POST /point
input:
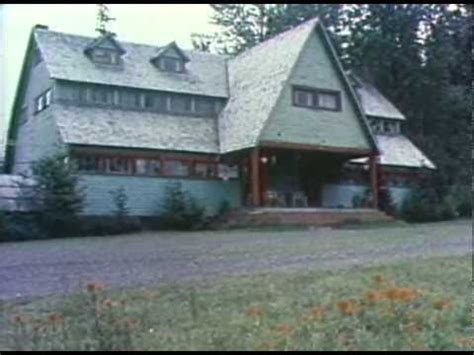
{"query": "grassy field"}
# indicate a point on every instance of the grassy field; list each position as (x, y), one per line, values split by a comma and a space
(416, 305)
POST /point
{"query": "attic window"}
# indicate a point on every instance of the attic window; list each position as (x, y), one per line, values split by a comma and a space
(171, 64)
(104, 56)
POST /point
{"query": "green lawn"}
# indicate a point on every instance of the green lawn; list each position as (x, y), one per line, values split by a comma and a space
(423, 305)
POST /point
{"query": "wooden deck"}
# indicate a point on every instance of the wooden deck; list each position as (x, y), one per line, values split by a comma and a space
(266, 216)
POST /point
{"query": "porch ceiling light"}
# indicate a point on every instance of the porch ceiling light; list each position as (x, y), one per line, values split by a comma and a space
(264, 160)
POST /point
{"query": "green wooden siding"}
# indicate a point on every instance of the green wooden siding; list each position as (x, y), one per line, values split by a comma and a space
(146, 194)
(288, 123)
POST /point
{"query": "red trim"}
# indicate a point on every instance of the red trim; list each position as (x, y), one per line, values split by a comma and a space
(285, 145)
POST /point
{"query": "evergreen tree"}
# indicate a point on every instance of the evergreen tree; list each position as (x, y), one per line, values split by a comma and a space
(54, 194)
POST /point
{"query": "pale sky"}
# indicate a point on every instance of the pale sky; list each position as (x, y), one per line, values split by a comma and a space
(150, 24)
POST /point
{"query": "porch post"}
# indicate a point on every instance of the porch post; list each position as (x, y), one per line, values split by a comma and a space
(374, 180)
(255, 175)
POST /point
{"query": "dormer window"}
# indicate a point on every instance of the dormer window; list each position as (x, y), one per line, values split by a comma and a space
(104, 56)
(170, 59)
(105, 50)
(171, 64)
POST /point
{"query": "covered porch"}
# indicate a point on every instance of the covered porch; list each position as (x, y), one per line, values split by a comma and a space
(299, 177)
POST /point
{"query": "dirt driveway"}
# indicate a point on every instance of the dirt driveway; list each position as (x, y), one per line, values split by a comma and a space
(57, 266)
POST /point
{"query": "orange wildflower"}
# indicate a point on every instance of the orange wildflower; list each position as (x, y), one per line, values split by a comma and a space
(349, 307)
(95, 287)
(442, 304)
(110, 303)
(401, 294)
(373, 296)
(284, 329)
(465, 342)
(19, 319)
(56, 319)
(255, 312)
(317, 313)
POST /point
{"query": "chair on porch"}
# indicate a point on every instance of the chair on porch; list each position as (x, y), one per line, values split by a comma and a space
(274, 199)
(299, 199)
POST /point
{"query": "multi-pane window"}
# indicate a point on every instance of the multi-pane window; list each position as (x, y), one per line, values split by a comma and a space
(317, 99)
(204, 106)
(43, 101)
(181, 104)
(327, 100)
(175, 168)
(120, 165)
(171, 64)
(104, 56)
(130, 99)
(146, 100)
(101, 95)
(303, 98)
(155, 101)
(380, 126)
(170, 167)
(205, 170)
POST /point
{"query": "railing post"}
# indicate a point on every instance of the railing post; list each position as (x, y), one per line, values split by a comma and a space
(255, 176)
(374, 159)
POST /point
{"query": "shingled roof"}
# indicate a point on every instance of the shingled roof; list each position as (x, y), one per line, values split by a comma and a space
(63, 53)
(256, 78)
(399, 151)
(373, 102)
(252, 82)
(117, 128)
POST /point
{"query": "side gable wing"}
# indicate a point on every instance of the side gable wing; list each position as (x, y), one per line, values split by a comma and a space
(318, 67)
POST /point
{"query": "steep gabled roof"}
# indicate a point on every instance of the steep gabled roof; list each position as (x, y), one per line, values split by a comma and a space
(373, 102)
(104, 39)
(400, 151)
(170, 46)
(256, 78)
(65, 59)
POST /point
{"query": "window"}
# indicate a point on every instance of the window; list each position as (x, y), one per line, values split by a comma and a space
(303, 98)
(119, 165)
(104, 56)
(40, 104)
(317, 99)
(89, 163)
(204, 106)
(171, 64)
(176, 168)
(181, 104)
(47, 97)
(205, 170)
(154, 101)
(101, 95)
(43, 101)
(327, 100)
(130, 99)
(150, 167)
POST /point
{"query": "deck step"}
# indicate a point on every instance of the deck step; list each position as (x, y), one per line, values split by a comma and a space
(301, 216)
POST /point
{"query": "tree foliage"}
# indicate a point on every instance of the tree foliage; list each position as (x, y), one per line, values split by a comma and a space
(55, 195)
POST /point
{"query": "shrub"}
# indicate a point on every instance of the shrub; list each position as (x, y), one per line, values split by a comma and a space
(18, 226)
(424, 205)
(55, 195)
(120, 200)
(182, 211)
